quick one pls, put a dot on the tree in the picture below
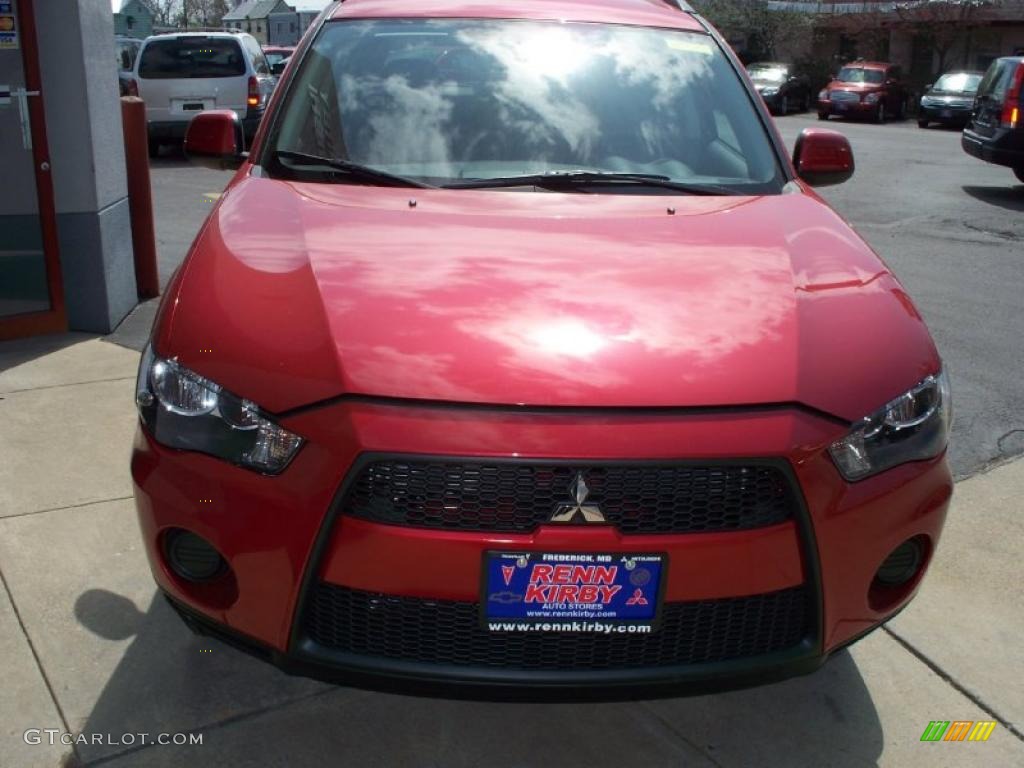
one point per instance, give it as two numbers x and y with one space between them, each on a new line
165 12
942 24
764 31
206 13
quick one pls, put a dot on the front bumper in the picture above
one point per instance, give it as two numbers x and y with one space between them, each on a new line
944 113
283 536
847 108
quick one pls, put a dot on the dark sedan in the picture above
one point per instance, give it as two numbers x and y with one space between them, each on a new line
781 88
950 100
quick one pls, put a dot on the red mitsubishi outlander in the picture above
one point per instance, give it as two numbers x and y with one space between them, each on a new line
519 359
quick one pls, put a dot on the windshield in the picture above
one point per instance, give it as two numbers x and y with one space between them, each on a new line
185 57
767 74
449 100
959 82
860 75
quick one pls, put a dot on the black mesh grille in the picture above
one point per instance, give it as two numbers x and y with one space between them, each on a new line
448 632
517 497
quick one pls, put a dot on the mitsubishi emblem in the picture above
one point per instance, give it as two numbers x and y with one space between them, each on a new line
571 512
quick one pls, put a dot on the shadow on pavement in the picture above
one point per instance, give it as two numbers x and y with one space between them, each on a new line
19 351
250 713
1010 197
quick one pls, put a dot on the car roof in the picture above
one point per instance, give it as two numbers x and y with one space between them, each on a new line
165 35
652 13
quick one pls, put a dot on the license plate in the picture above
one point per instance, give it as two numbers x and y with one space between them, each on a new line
842 107
192 107
568 592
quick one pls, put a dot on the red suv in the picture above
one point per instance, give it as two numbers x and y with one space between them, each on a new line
868 89
519 356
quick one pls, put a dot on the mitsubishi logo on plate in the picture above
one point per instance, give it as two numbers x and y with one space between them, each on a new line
572 512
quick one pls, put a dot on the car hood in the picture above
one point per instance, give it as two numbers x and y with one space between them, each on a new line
295 293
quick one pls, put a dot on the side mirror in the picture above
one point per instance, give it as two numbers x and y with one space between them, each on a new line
277 68
215 139
823 157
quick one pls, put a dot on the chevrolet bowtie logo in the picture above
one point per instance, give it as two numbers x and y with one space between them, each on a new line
572 512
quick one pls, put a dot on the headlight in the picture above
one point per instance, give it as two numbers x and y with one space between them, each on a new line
871 98
769 91
913 427
183 410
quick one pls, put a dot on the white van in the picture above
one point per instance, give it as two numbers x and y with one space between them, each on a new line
180 75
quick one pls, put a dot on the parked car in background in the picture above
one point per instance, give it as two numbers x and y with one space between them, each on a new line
995 132
780 86
277 53
277 58
867 89
180 75
127 49
950 100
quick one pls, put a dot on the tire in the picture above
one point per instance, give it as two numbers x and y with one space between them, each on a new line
784 106
922 123
901 110
823 115
805 103
1019 173
880 115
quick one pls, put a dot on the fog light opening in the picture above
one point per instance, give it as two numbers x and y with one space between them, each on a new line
192 557
902 564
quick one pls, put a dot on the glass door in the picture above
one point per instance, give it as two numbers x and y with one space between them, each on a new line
31 291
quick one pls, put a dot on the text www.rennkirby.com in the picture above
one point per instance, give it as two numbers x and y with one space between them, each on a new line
593 627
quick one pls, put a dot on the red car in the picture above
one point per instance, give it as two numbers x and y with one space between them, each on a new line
869 89
519 359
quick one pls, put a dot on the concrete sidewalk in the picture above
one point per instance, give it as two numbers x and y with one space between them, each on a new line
85 647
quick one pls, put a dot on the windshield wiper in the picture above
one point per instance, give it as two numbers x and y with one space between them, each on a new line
572 178
355 170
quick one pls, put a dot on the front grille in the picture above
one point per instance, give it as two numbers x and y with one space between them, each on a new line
448 632
844 96
516 497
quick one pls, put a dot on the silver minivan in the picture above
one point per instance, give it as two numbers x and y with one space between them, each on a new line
180 75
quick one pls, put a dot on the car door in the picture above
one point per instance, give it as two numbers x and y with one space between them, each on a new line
988 105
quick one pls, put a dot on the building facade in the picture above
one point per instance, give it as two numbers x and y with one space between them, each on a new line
253 17
135 19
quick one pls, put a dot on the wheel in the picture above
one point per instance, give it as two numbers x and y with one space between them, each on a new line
922 123
805 103
1019 173
784 105
901 110
823 115
880 113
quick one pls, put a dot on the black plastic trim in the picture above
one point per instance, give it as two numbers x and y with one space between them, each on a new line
307 657
567 410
